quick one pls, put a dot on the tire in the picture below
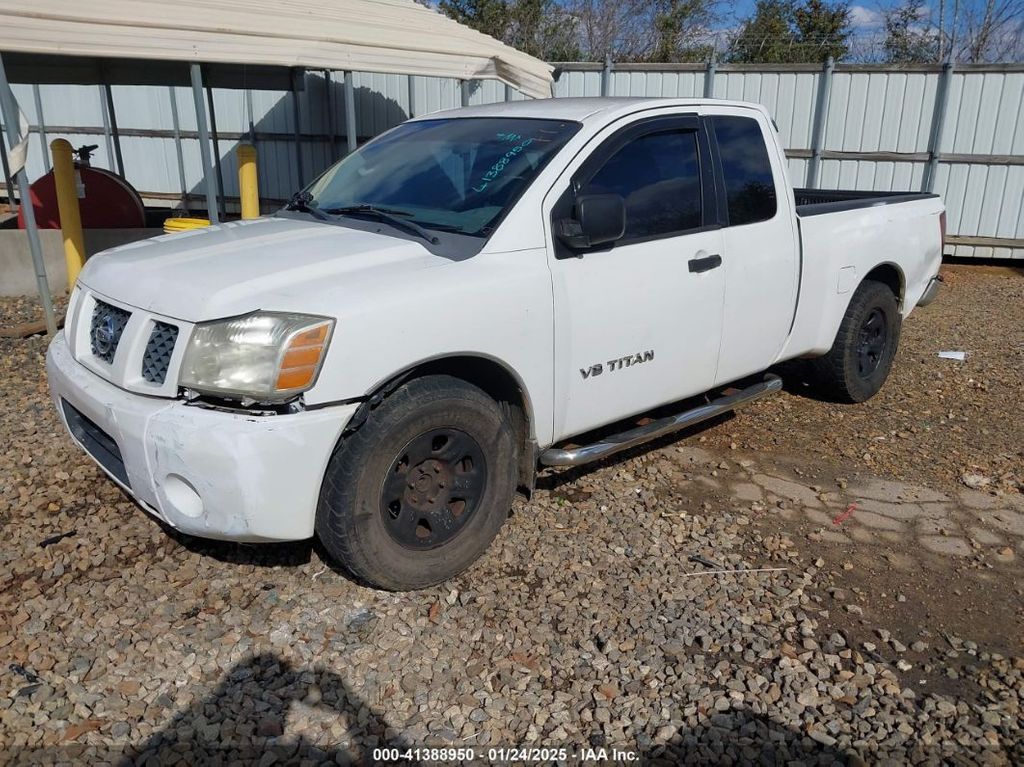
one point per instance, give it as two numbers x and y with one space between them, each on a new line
418 492
860 359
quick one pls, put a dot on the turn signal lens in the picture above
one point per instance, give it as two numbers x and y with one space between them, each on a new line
301 358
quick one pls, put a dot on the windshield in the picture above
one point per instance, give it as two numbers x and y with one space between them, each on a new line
458 175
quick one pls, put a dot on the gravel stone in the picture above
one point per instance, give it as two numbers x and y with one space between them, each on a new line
585 624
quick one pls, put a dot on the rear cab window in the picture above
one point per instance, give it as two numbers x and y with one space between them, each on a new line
746 169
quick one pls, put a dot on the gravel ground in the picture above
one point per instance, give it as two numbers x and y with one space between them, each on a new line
888 628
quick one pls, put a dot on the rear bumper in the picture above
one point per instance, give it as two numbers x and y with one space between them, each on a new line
931 292
204 472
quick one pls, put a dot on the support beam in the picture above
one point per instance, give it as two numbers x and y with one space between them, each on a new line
606 77
938 124
107 140
215 138
41 124
332 130
176 123
410 84
115 134
709 76
9 111
350 112
820 118
8 181
297 133
204 143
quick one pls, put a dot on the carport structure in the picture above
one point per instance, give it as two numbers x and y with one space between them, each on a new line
235 43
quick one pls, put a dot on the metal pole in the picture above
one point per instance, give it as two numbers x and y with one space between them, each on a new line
411 85
709 76
350 112
297 119
9 109
332 136
176 124
44 142
106 128
221 203
8 181
204 143
820 117
938 123
606 77
113 128
464 92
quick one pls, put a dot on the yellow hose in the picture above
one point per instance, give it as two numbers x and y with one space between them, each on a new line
173 225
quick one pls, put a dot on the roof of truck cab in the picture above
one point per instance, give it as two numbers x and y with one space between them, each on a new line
578 108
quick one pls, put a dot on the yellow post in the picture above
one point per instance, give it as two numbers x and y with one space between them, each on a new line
248 182
67 204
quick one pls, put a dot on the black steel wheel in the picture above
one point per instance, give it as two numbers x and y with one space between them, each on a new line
872 342
417 493
433 488
861 357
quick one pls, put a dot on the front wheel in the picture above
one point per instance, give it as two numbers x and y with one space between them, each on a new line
860 359
418 492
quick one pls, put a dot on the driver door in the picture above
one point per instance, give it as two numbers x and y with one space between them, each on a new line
638 323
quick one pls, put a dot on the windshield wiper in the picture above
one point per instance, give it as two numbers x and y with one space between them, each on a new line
387 215
303 202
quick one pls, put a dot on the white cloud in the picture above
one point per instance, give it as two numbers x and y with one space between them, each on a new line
862 18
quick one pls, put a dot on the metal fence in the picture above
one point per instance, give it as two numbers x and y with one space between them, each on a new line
959 132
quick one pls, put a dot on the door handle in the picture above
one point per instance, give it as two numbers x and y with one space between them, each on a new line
705 264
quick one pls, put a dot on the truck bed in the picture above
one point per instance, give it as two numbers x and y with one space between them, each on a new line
816 202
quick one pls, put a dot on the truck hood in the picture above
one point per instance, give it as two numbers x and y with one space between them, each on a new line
268 263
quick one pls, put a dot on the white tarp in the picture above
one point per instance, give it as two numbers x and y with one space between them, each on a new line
397 36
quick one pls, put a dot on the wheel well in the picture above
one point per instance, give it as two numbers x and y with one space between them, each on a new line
890 276
497 382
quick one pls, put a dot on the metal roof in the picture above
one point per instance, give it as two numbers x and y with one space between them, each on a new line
398 36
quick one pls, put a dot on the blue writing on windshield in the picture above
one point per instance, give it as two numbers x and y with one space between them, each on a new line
495 171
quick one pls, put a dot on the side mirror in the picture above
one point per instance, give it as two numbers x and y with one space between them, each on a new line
600 219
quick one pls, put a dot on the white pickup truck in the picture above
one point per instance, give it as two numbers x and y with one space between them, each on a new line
387 360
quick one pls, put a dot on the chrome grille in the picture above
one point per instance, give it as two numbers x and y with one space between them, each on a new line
157 358
105 331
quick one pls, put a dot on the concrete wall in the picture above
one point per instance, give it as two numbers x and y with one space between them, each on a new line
17 276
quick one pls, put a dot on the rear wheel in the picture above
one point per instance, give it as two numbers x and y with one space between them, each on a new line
418 492
860 359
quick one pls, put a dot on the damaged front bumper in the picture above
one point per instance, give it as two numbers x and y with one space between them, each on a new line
205 472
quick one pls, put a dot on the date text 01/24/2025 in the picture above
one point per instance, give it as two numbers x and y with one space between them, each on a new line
502 755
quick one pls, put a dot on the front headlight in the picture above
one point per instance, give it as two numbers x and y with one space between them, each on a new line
266 356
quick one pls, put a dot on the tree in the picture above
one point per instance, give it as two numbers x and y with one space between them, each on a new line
989 33
767 36
909 38
644 30
822 30
785 31
541 28
678 27
488 16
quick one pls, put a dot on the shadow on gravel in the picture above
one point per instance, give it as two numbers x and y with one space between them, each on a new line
744 737
256 554
244 718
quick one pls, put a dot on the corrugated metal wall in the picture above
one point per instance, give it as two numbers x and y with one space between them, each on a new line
875 134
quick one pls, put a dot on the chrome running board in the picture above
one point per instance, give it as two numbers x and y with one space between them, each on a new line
637 436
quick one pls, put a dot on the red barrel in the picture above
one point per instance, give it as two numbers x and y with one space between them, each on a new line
106 200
